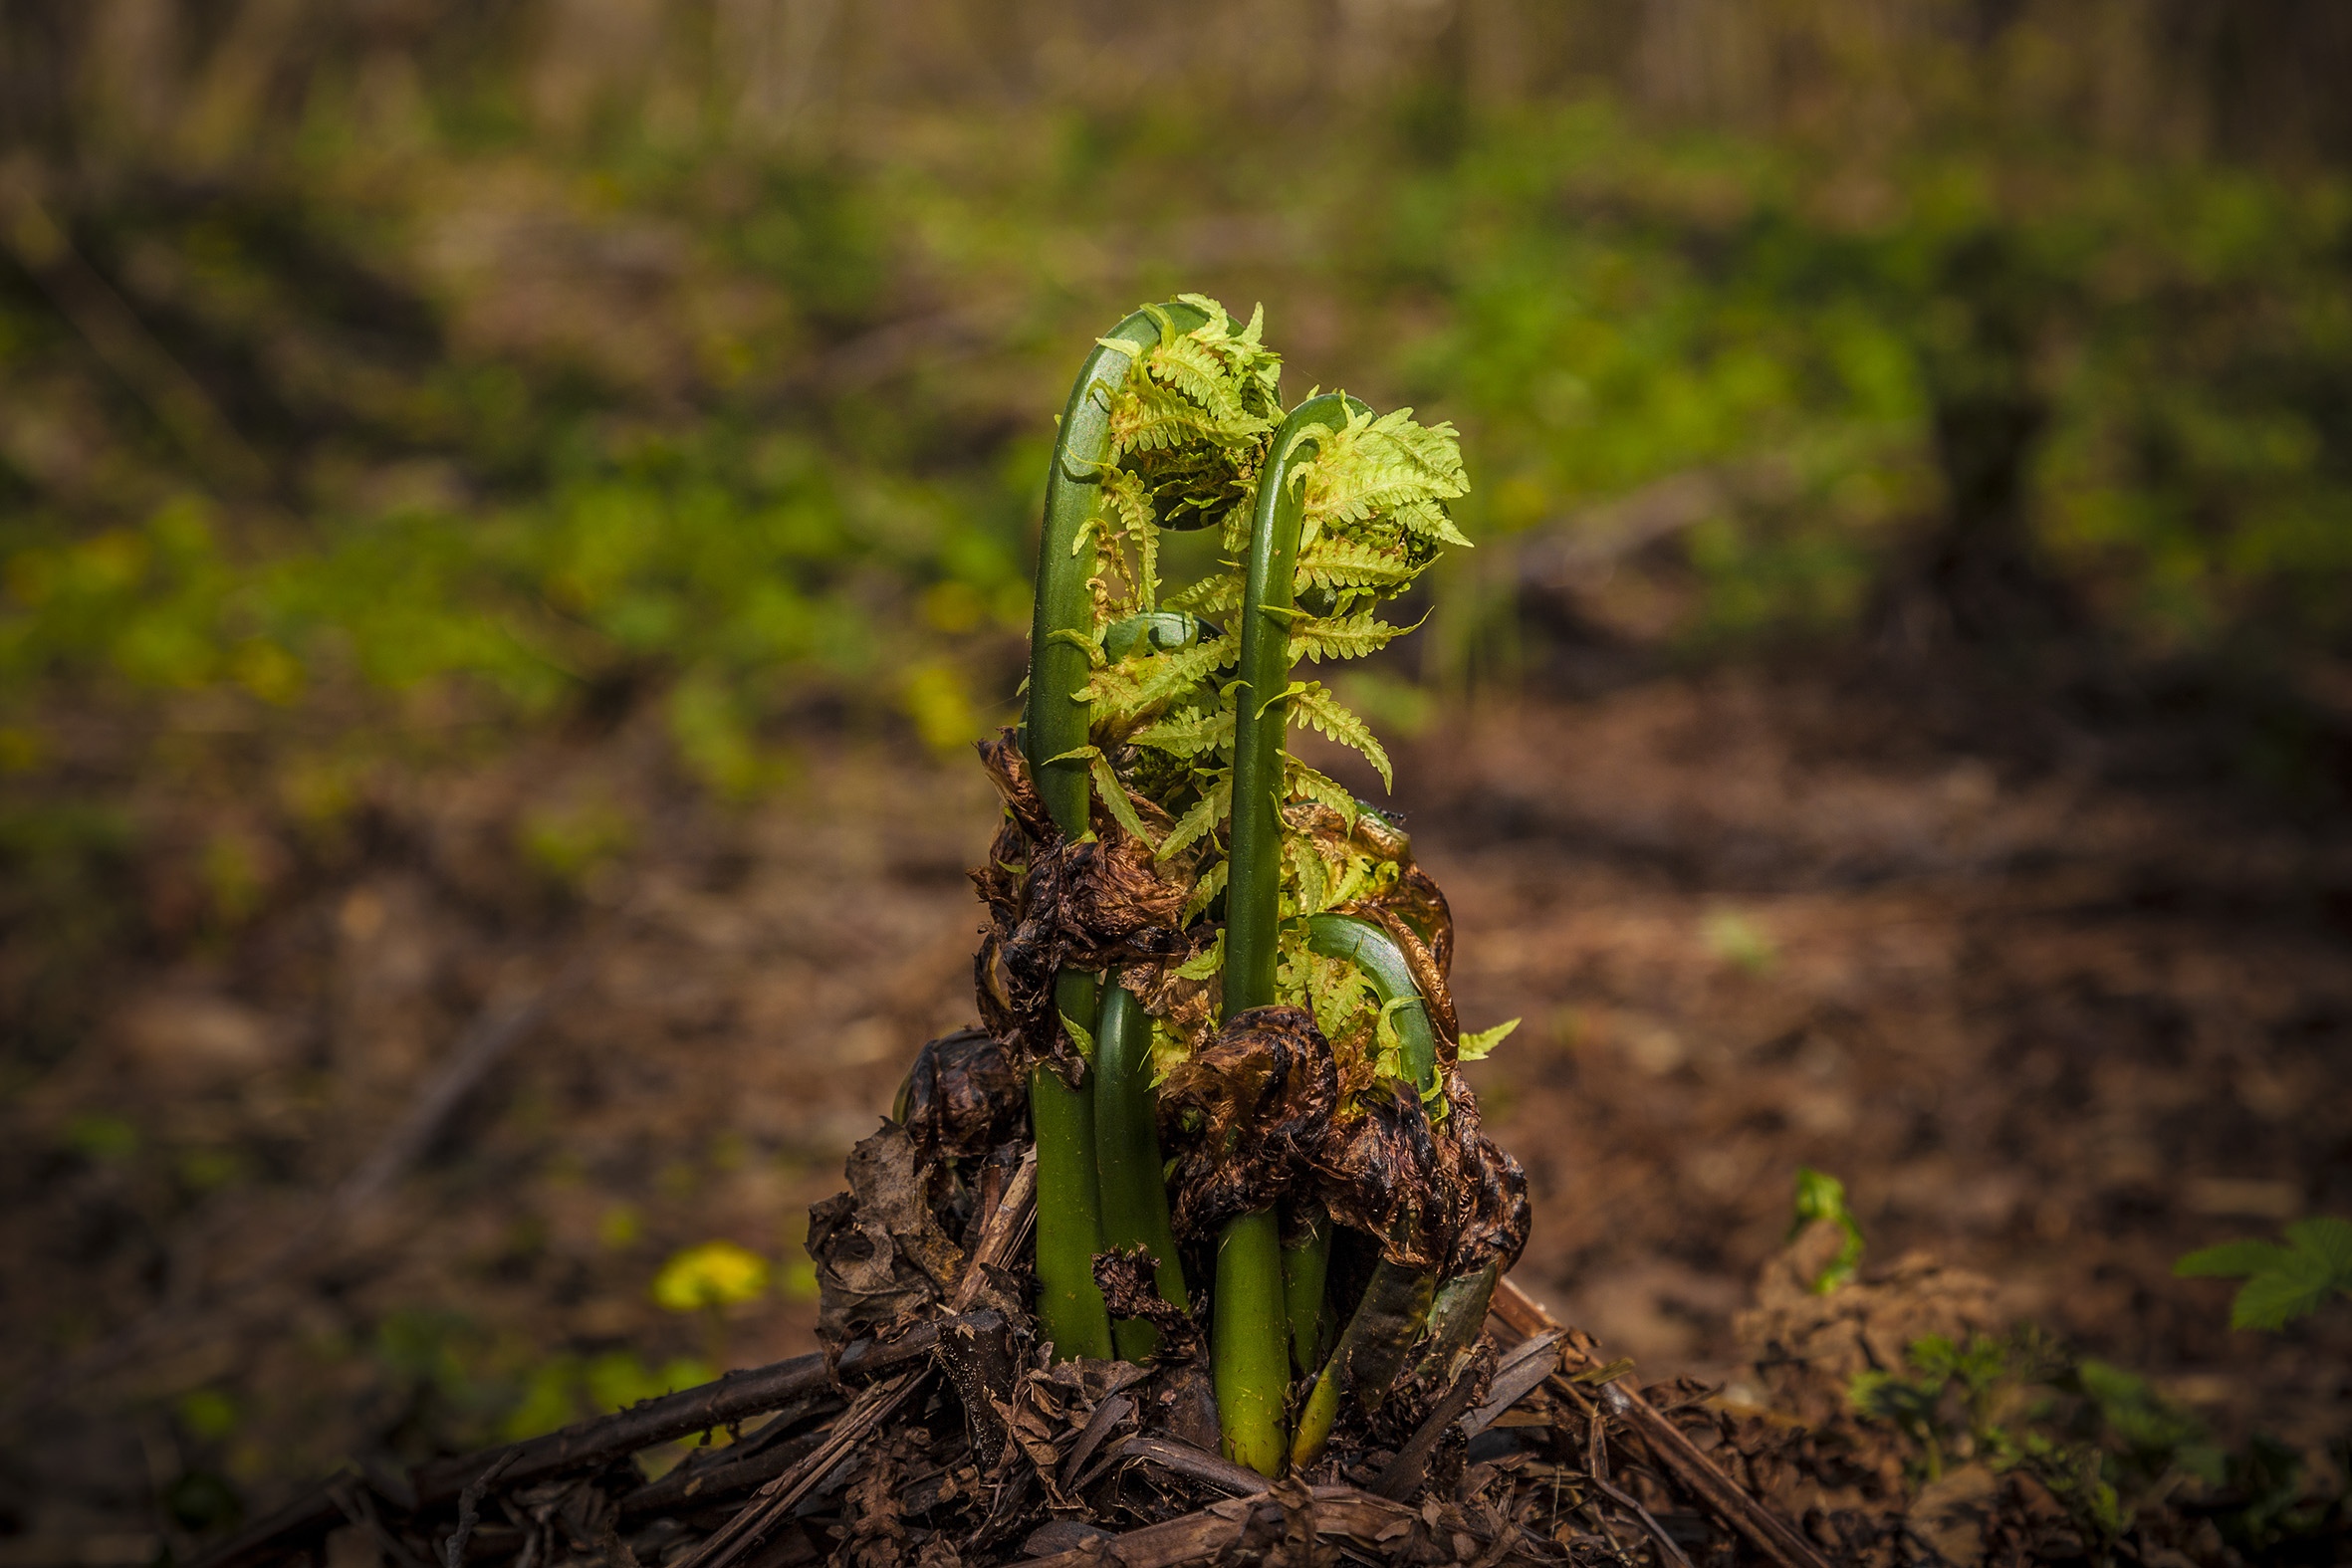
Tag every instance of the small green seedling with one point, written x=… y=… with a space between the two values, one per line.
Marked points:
x=1821 y=1196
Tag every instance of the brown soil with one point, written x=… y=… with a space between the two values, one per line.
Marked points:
x=2050 y=1027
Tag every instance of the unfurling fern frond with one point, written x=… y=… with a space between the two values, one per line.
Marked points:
x=1115 y=798
x=1337 y=563
x=1215 y=806
x=1194 y=370
x=1217 y=594
x=1335 y=638
x=1149 y=417
x=1188 y=735
x=1204 y=893
x=1479 y=1044
x=1375 y=468
x=1313 y=705
x=1308 y=876
x=1133 y=690
x=1302 y=783
x=1335 y=991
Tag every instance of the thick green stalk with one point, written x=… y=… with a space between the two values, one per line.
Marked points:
x=1069 y=1217
x=1370 y=1353
x=1397 y=1303
x=1063 y=621
x=1375 y=951
x=1305 y=1265
x=1248 y=1331
x=1253 y=900
x=1251 y=1366
x=1070 y=1205
x=1127 y=1156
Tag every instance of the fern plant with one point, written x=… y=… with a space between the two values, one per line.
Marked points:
x=1166 y=415
x=1154 y=731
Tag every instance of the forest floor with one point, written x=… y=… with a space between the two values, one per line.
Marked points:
x=2044 y=1022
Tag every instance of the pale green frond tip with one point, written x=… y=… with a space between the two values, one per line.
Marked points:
x=1106 y=784
x=1207 y=961
x=1479 y=1044
x=1316 y=706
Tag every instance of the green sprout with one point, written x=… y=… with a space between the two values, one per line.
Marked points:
x=1821 y=1196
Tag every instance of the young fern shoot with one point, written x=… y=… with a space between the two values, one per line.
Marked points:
x=1199 y=937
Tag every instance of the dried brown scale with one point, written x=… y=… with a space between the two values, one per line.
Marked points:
x=964 y=1096
x=881 y=1256
x=1495 y=1212
x=1054 y=904
x=1188 y=1006
x=1428 y=974
x=1422 y=904
x=1387 y=1172
x=1129 y=1290
x=1246 y=1115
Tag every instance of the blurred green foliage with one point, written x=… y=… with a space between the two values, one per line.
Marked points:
x=2106 y=1443
x=2284 y=1280
x=389 y=393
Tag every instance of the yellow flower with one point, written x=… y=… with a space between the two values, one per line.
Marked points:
x=714 y=1275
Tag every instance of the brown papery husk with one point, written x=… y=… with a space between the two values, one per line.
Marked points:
x=1054 y=903
x=1245 y=1116
x=882 y=1256
x=1495 y=1211
x=1130 y=1289
x=1388 y=1172
x=965 y=1095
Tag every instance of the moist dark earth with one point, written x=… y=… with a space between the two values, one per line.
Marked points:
x=2050 y=1011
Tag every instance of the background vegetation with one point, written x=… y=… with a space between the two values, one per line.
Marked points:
x=379 y=378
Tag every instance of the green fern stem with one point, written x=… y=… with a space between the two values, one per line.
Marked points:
x=1370 y=1353
x=1128 y=1157
x=1307 y=1264
x=1248 y=1329
x=1069 y=1205
x=1070 y=1214
x=1253 y=900
x=1063 y=621
x=1396 y=1304
x=1249 y=1362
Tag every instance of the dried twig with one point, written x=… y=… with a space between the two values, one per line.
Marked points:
x=1402 y=1475
x=1728 y=1503
x=1182 y=1459
x=736 y=1396
x=469 y=1511
x=1519 y=1373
